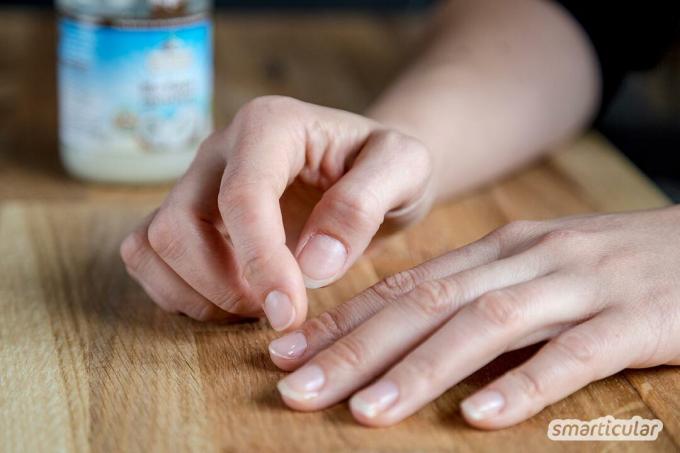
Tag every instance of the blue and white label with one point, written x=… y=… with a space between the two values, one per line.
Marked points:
x=135 y=89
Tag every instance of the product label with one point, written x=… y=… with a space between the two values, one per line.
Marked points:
x=135 y=89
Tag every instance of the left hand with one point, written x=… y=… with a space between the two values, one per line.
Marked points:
x=604 y=290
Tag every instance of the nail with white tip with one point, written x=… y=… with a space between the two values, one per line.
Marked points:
x=304 y=384
x=375 y=399
x=289 y=346
x=483 y=405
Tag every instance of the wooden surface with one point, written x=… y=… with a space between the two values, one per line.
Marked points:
x=87 y=363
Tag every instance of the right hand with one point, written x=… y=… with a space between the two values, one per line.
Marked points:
x=289 y=195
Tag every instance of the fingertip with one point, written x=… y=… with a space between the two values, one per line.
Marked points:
x=278 y=287
x=364 y=418
x=287 y=351
x=487 y=409
x=293 y=399
x=279 y=309
x=490 y=424
x=322 y=260
x=282 y=363
x=315 y=284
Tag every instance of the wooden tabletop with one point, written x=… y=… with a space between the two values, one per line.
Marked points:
x=88 y=363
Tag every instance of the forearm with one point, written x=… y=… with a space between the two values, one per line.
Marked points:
x=503 y=81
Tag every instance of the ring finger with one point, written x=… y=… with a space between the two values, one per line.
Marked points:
x=355 y=359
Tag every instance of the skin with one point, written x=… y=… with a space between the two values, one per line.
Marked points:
x=601 y=289
x=290 y=194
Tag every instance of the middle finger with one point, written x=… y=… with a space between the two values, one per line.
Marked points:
x=352 y=361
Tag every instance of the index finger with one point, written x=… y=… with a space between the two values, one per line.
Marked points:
x=268 y=146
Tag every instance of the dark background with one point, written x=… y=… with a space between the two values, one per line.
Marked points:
x=643 y=120
x=352 y=4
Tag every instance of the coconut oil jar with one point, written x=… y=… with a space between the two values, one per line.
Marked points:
x=135 y=87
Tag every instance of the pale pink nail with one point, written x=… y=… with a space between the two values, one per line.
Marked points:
x=304 y=384
x=279 y=310
x=321 y=259
x=375 y=399
x=289 y=346
x=482 y=405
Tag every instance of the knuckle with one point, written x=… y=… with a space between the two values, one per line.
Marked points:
x=418 y=154
x=577 y=347
x=133 y=249
x=396 y=284
x=210 y=143
x=422 y=368
x=331 y=323
x=254 y=264
x=167 y=230
x=164 y=235
x=235 y=203
x=349 y=352
x=393 y=139
x=498 y=307
x=256 y=108
x=527 y=383
x=356 y=210
x=622 y=258
x=435 y=298
x=568 y=240
x=235 y=193
x=413 y=151
x=231 y=302
x=390 y=138
x=516 y=229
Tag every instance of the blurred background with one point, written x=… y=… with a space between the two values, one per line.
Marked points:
x=643 y=120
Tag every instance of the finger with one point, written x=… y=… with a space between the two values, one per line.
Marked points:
x=186 y=237
x=163 y=285
x=294 y=349
x=542 y=334
x=389 y=334
x=259 y=169
x=271 y=142
x=390 y=173
x=477 y=334
x=588 y=352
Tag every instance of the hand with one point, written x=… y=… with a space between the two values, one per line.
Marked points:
x=222 y=244
x=603 y=290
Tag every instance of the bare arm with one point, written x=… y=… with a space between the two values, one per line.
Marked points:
x=290 y=194
x=503 y=81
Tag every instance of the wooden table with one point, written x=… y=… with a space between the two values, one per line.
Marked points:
x=88 y=363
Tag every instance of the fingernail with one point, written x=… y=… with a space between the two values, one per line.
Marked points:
x=279 y=310
x=304 y=384
x=375 y=399
x=289 y=346
x=482 y=405
x=321 y=259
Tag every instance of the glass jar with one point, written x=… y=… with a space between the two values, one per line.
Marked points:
x=135 y=87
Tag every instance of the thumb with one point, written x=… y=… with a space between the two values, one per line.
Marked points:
x=389 y=178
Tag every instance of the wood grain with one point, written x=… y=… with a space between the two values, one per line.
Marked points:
x=88 y=363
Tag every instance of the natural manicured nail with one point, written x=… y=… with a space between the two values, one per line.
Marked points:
x=289 y=346
x=482 y=405
x=304 y=384
x=321 y=259
x=375 y=399
x=279 y=310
